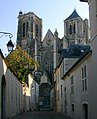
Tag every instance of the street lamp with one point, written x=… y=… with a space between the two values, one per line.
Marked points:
x=10 y=43
x=10 y=46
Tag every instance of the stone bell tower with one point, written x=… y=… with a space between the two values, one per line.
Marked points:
x=29 y=34
x=76 y=30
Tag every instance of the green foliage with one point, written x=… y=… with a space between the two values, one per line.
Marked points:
x=20 y=62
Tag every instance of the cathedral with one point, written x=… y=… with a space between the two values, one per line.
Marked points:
x=46 y=51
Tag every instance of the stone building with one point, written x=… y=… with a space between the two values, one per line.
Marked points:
x=51 y=45
x=29 y=34
x=15 y=96
x=70 y=57
x=76 y=30
x=47 y=50
x=77 y=90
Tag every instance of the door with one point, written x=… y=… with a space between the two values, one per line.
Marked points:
x=85 y=111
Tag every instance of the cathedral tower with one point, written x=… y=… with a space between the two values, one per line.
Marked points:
x=76 y=30
x=29 y=34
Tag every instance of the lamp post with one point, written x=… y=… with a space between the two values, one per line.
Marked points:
x=10 y=46
x=10 y=43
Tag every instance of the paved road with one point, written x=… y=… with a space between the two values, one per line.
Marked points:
x=41 y=115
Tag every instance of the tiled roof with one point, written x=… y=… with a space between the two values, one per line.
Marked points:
x=78 y=61
x=73 y=15
x=74 y=51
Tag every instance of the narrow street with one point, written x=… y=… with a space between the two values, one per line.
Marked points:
x=41 y=115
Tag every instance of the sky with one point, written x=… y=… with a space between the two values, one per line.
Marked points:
x=52 y=13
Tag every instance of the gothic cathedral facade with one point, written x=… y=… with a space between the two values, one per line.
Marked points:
x=46 y=50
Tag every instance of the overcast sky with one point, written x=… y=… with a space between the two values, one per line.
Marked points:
x=52 y=12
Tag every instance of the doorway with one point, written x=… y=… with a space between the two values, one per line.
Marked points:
x=85 y=111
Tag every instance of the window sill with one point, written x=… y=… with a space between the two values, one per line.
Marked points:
x=85 y=92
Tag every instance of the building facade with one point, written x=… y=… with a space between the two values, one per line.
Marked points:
x=34 y=92
x=76 y=89
x=29 y=34
x=11 y=92
x=47 y=50
x=15 y=96
x=29 y=37
x=76 y=29
x=80 y=80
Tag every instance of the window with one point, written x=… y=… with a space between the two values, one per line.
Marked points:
x=65 y=110
x=72 y=85
x=74 y=28
x=23 y=29
x=58 y=77
x=63 y=68
x=84 y=78
x=27 y=27
x=72 y=107
x=61 y=71
x=70 y=29
x=36 y=30
x=65 y=96
x=72 y=80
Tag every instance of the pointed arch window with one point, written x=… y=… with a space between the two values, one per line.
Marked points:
x=70 y=29
x=74 y=28
x=27 y=26
x=23 y=29
x=36 y=30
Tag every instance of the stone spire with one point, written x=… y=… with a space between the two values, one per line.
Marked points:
x=56 y=33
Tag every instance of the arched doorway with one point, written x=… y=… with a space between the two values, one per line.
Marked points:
x=44 y=96
x=3 y=97
x=85 y=111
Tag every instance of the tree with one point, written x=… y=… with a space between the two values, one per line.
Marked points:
x=21 y=63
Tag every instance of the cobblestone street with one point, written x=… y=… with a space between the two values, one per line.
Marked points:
x=41 y=115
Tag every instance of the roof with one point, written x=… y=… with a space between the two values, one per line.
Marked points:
x=74 y=51
x=78 y=61
x=73 y=15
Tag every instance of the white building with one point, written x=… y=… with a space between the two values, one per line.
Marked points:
x=80 y=80
x=76 y=88
x=11 y=92
x=93 y=59
x=16 y=96
x=34 y=91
